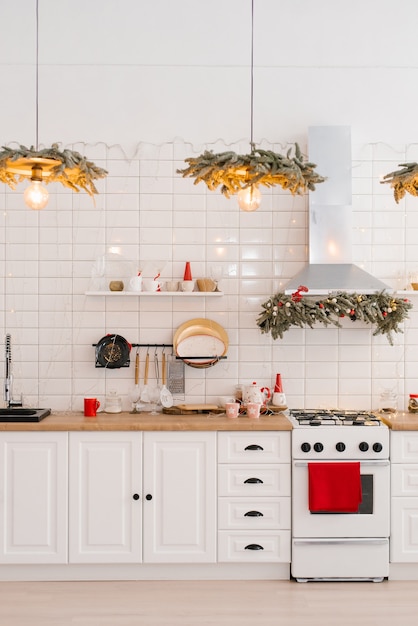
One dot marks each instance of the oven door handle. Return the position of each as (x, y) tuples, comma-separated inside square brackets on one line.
[(365, 463), (332, 542)]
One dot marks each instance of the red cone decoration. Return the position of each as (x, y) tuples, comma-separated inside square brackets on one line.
[(278, 387), (187, 272)]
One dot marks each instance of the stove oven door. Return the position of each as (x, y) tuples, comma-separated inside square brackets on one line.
[(372, 519)]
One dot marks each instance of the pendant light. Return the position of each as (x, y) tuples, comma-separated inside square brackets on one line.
[(67, 167), (249, 198), (243, 174)]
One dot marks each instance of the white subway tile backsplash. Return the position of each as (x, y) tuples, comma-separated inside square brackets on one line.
[(157, 218)]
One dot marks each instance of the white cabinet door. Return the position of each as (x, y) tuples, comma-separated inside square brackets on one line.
[(179, 497), (105, 510), (33, 498), (404, 530)]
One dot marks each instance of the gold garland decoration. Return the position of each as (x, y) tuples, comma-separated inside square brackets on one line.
[(382, 310), (261, 167), (404, 180), (71, 169)]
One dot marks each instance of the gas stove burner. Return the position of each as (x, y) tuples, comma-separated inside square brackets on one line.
[(333, 417)]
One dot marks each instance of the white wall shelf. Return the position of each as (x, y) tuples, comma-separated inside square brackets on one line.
[(156, 294)]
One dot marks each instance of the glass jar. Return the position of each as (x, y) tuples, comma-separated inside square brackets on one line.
[(388, 402), (413, 403), (113, 403)]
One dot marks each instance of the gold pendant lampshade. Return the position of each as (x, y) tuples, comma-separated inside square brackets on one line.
[(243, 174), (41, 167)]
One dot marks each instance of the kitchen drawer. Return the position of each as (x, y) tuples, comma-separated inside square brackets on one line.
[(404, 480), (254, 447), (257, 480), (254, 513), (404, 446), (254, 547)]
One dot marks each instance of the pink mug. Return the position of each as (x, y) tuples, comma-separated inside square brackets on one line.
[(253, 409), (232, 409), (90, 407)]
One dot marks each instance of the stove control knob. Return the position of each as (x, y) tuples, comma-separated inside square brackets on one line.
[(305, 447), (318, 447), (377, 447), (363, 446), (340, 446)]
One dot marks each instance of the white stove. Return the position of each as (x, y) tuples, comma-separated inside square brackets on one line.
[(329, 435), (331, 545)]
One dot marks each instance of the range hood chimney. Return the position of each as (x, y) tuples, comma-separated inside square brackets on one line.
[(330, 266)]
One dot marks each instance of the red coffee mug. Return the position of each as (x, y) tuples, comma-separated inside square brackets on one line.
[(90, 407)]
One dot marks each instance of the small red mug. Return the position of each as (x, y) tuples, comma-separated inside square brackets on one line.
[(90, 407)]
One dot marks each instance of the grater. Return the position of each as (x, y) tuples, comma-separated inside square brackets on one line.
[(175, 379)]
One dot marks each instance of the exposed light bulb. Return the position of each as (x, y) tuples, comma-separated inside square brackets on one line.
[(249, 199), (36, 195)]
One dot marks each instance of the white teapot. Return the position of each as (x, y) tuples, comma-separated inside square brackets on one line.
[(253, 394)]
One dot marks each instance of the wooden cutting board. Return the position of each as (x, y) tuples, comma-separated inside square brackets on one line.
[(192, 408)]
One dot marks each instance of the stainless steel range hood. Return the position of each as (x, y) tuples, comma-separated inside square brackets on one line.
[(330, 266)]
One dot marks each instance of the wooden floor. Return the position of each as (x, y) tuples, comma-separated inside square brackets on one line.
[(207, 603)]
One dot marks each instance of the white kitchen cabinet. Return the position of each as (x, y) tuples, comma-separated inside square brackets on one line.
[(105, 498), (179, 497), (147, 497), (404, 489), (254, 483), (34, 493)]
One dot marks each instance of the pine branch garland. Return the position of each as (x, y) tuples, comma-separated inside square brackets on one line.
[(404, 180), (261, 167), (73, 170), (382, 310)]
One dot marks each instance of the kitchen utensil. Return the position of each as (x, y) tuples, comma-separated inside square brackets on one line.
[(199, 338), (135, 395), (145, 397), (176, 377), (165, 396), (112, 351), (155, 392), (202, 408)]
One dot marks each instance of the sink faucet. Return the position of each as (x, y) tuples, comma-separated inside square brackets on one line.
[(8, 378)]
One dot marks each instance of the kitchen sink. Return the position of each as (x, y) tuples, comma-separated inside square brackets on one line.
[(19, 414)]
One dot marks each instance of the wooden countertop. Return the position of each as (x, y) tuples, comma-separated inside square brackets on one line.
[(401, 420), (71, 421)]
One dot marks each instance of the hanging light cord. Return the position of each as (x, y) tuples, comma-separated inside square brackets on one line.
[(36, 75), (252, 77)]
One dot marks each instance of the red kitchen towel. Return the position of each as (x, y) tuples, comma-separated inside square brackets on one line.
[(334, 487)]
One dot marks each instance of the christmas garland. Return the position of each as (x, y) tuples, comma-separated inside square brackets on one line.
[(261, 167), (404, 180), (382, 310), (72, 170)]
